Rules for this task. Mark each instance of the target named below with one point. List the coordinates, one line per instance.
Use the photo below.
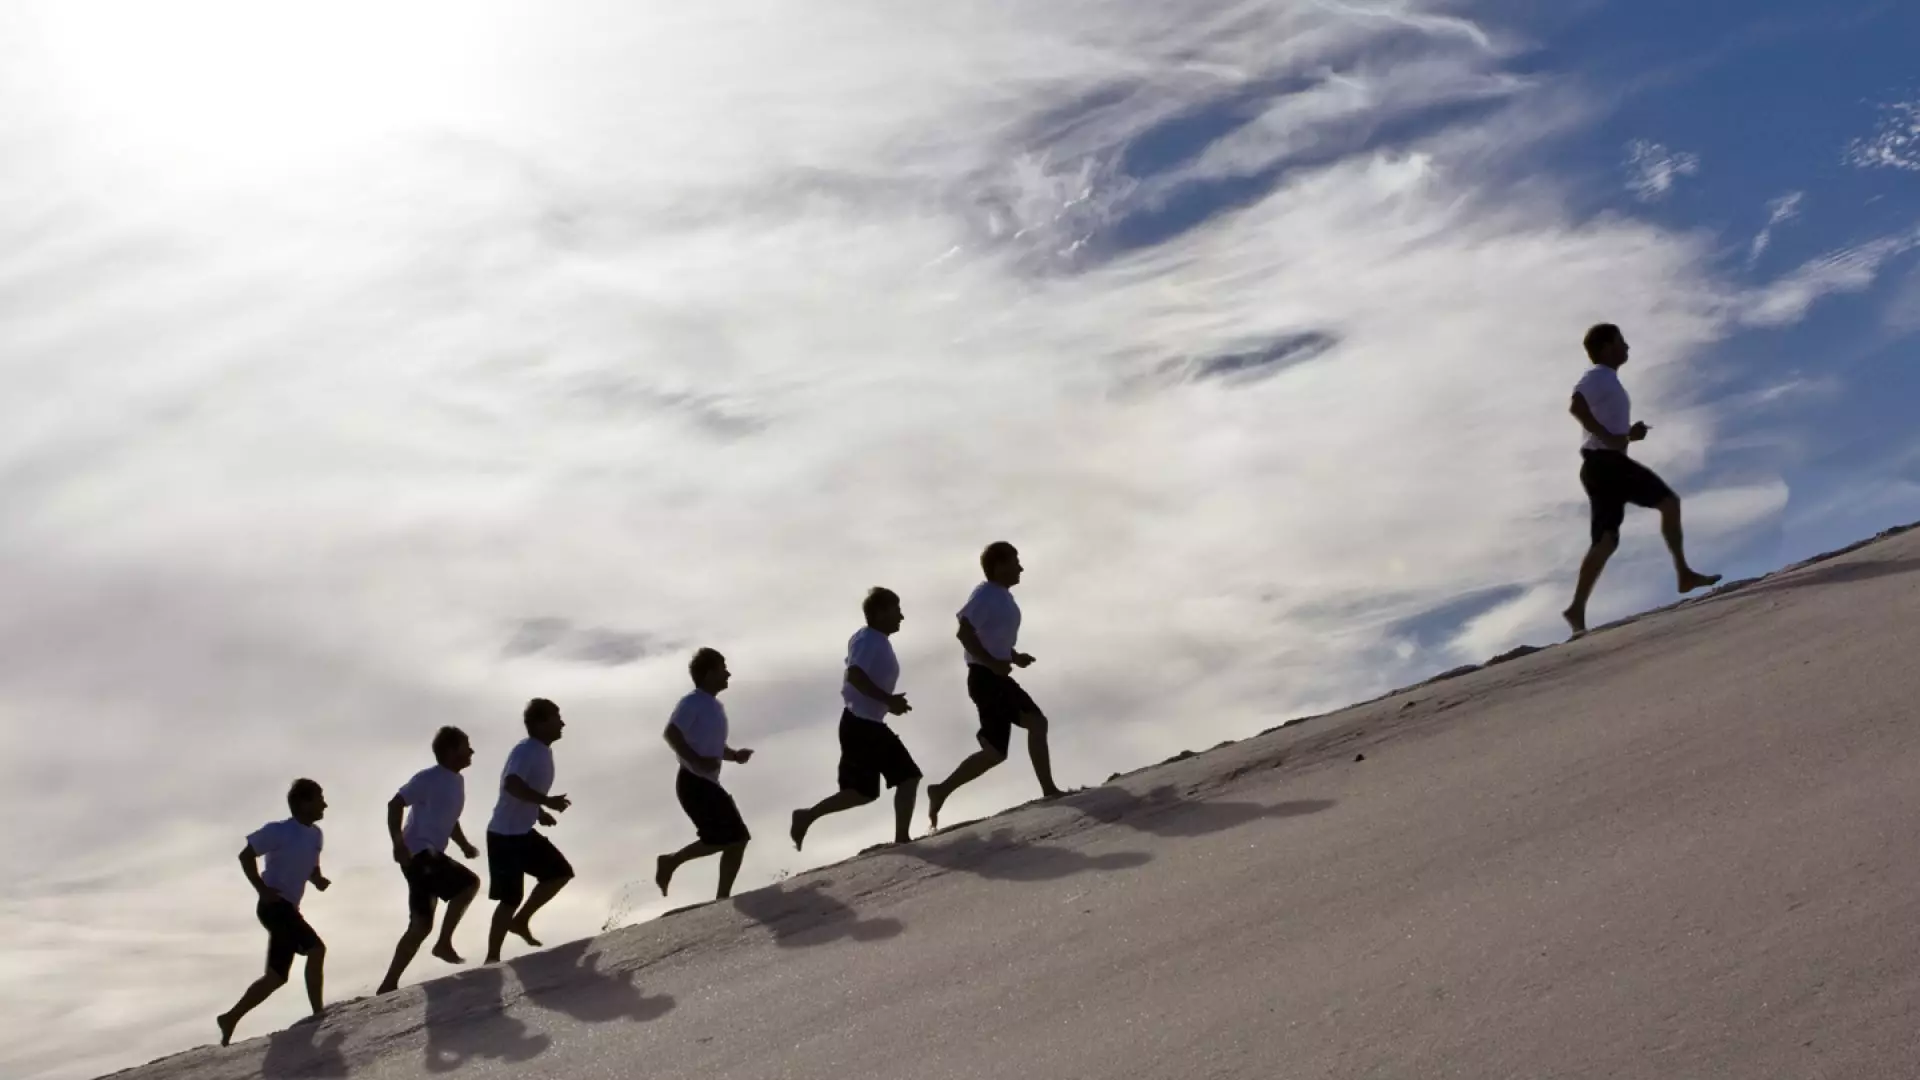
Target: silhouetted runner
(870, 751)
(989, 626)
(432, 802)
(1613, 479)
(292, 850)
(515, 849)
(697, 732)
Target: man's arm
(317, 879)
(250, 866)
(395, 808)
(523, 791)
(861, 681)
(678, 740)
(1584, 413)
(971, 641)
(460, 838)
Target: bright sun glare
(221, 89)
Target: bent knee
(1035, 723)
(318, 952)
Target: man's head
(543, 720)
(452, 749)
(1001, 563)
(306, 801)
(709, 671)
(882, 608)
(1606, 345)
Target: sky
(372, 367)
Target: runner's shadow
(1162, 812)
(467, 1020)
(1003, 857)
(567, 979)
(806, 915)
(299, 1051)
(1838, 573)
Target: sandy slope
(1678, 848)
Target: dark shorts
(1003, 706)
(511, 858)
(288, 934)
(432, 877)
(711, 810)
(1613, 480)
(869, 752)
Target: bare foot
(1051, 793)
(226, 1024)
(663, 872)
(521, 929)
(1690, 581)
(444, 951)
(936, 798)
(386, 988)
(801, 824)
(492, 958)
(1576, 621)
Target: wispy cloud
(548, 346)
(1849, 270)
(1779, 212)
(1653, 169)
(1895, 142)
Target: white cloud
(1903, 308)
(1895, 144)
(1779, 212)
(644, 327)
(1787, 299)
(1653, 169)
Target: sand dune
(1676, 848)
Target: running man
(989, 625)
(1613, 479)
(292, 850)
(515, 849)
(697, 731)
(432, 802)
(869, 749)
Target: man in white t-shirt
(870, 751)
(515, 849)
(697, 731)
(989, 627)
(432, 802)
(292, 851)
(1611, 478)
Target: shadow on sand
(1836, 573)
(1162, 812)
(805, 915)
(568, 979)
(301, 1051)
(1002, 856)
(466, 1021)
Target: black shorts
(1003, 706)
(288, 934)
(711, 810)
(1613, 480)
(511, 858)
(432, 877)
(869, 752)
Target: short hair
(704, 661)
(446, 739)
(302, 789)
(1599, 336)
(878, 599)
(997, 552)
(537, 710)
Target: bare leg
(523, 922)
(316, 968)
(1677, 547)
(903, 799)
(456, 907)
(1590, 567)
(1042, 758)
(497, 932)
(667, 864)
(976, 765)
(730, 859)
(403, 953)
(832, 804)
(262, 989)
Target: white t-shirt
(435, 796)
(532, 761)
(995, 617)
(702, 721)
(871, 652)
(292, 852)
(1608, 401)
